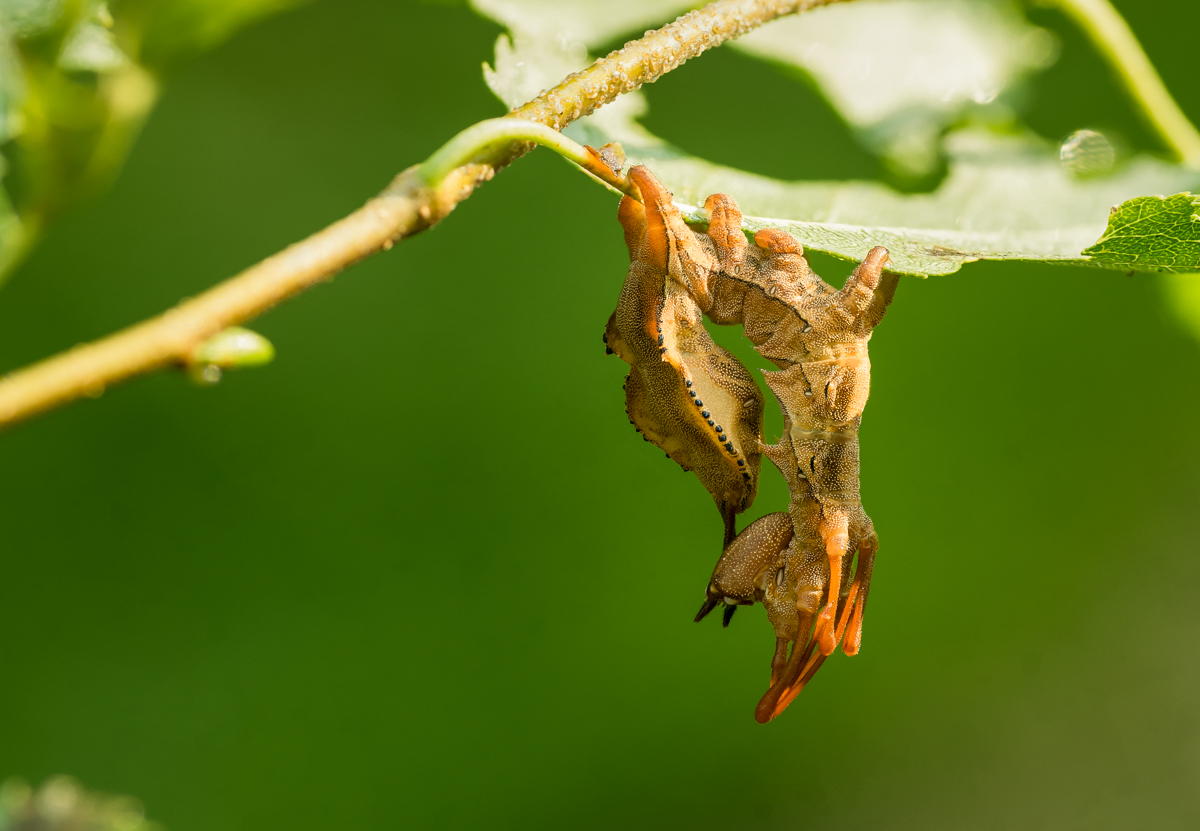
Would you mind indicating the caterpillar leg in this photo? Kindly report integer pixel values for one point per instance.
(782, 694)
(859, 292)
(789, 675)
(836, 532)
(803, 665)
(725, 231)
(729, 517)
(859, 589)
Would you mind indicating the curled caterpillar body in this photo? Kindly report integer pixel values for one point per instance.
(684, 393)
(813, 590)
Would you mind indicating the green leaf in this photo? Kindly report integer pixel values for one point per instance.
(90, 45)
(1008, 195)
(76, 84)
(1152, 233)
(22, 18)
(12, 233)
(898, 71)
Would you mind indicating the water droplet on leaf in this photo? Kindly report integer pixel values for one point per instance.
(1087, 153)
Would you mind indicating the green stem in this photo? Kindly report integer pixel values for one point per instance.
(483, 138)
(1110, 34)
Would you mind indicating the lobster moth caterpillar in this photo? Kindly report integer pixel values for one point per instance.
(811, 566)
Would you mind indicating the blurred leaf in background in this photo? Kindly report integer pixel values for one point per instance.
(901, 71)
(61, 804)
(77, 80)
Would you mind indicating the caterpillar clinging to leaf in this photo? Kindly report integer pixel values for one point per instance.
(682, 389)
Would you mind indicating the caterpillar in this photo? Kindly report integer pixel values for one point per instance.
(801, 565)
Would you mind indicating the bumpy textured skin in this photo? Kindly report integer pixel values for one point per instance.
(817, 336)
(684, 393)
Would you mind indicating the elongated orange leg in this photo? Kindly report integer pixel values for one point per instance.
(844, 617)
(783, 675)
(837, 539)
(788, 694)
(804, 628)
(778, 698)
(779, 659)
(770, 706)
(862, 583)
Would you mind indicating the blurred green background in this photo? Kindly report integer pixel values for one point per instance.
(420, 572)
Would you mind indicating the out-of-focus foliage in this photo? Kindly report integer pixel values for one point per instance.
(77, 79)
(901, 71)
(61, 804)
(918, 81)
(171, 31)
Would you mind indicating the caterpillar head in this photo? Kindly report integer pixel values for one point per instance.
(768, 564)
(744, 570)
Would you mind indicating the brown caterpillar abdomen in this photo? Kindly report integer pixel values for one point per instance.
(687, 395)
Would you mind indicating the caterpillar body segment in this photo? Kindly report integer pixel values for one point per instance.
(687, 395)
